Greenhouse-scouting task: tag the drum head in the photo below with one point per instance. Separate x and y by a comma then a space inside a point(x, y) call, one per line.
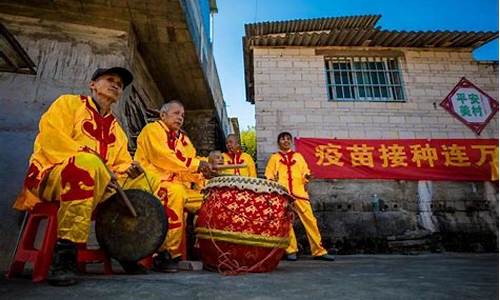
point(257, 185)
point(127, 238)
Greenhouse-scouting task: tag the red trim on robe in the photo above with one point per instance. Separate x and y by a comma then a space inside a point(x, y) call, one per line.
point(172, 139)
point(173, 219)
point(76, 178)
point(235, 160)
point(31, 182)
point(102, 132)
point(288, 161)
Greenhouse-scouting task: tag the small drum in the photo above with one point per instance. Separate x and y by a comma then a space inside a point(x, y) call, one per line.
point(128, 238)
point(243, 224)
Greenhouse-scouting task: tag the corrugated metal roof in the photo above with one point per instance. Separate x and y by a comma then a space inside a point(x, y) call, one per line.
point(348, 31)
point(375, 38)
point(305, 25)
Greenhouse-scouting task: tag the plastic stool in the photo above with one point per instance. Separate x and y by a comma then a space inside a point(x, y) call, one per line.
point(42, 258)
point(26, 251)
point(86, 256)
point(146, 262)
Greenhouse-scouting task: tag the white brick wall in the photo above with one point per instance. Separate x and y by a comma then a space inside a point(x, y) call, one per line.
point(290, 95)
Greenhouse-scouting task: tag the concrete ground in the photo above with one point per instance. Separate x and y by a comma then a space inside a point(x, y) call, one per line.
point(424, 276)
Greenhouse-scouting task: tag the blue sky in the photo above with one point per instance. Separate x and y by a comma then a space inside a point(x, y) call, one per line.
point(477, 15)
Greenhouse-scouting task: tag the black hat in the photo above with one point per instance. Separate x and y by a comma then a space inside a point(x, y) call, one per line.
point(124, 74)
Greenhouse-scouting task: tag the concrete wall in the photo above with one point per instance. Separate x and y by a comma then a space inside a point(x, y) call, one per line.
point(66, 55)
point(203, 130)
point(291, 95)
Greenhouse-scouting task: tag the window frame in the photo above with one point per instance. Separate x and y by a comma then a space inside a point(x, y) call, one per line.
point(389, 72)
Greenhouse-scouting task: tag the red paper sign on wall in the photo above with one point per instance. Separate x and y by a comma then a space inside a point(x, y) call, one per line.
point(415, 159)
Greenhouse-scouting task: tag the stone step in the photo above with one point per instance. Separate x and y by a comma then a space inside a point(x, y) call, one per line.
point(409, 243)
point(410, 235)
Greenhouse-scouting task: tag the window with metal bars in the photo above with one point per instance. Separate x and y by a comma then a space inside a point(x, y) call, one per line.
point(364, 79)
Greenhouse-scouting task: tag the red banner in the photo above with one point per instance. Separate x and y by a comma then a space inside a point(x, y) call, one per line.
point(416, 159)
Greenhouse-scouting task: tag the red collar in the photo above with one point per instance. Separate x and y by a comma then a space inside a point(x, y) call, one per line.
point(235, 157)
point(171, 135)
point(174, 135)
point(287, 158)
point(233, 154)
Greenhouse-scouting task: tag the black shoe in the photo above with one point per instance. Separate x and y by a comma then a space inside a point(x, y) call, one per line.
point(164, 264)
point(132, 267)
point(325, 257)
point(291, 257)
point(63, 269)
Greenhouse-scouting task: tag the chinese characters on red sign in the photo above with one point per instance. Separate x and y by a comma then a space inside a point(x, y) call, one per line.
point(419, 159)
point(470, 105)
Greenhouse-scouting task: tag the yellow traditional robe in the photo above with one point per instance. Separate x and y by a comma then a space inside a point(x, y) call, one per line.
point(72, 125)
point(72, 154)
point(494, 166)
point(239, 158)
point(171, 156)
point(290, 170)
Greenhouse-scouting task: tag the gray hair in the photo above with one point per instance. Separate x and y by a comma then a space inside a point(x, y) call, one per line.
point(166, 107)
point(212, 154)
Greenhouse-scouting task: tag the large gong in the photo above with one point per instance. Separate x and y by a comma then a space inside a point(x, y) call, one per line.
point(129, 238)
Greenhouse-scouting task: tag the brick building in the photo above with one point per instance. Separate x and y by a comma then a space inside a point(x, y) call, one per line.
point(301, 76)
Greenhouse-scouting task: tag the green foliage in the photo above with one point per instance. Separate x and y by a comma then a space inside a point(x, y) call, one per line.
point(249, 142)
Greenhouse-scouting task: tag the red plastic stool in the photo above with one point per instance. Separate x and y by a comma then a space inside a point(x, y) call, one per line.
point(42, 258)
point(147, 262)
point(26, 251)
point(86, 256)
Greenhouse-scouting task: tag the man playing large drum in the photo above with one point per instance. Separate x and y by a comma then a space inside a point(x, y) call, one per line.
point(290, 169)
point(78, 144)
point(165, 149)
point(234, 156)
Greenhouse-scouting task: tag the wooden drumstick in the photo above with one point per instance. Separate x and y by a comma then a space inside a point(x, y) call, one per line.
point(117, 187)
point(227, 167)
point(124, 197)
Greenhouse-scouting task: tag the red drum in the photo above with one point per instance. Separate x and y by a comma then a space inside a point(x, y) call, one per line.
point(243, 224)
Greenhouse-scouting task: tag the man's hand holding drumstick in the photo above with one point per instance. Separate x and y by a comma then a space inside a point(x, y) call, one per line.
point(216, 161)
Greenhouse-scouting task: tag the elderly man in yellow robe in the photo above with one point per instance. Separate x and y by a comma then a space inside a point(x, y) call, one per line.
point(163, 148)
point(290, 169)
point(234, 156)
point(78, 144)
